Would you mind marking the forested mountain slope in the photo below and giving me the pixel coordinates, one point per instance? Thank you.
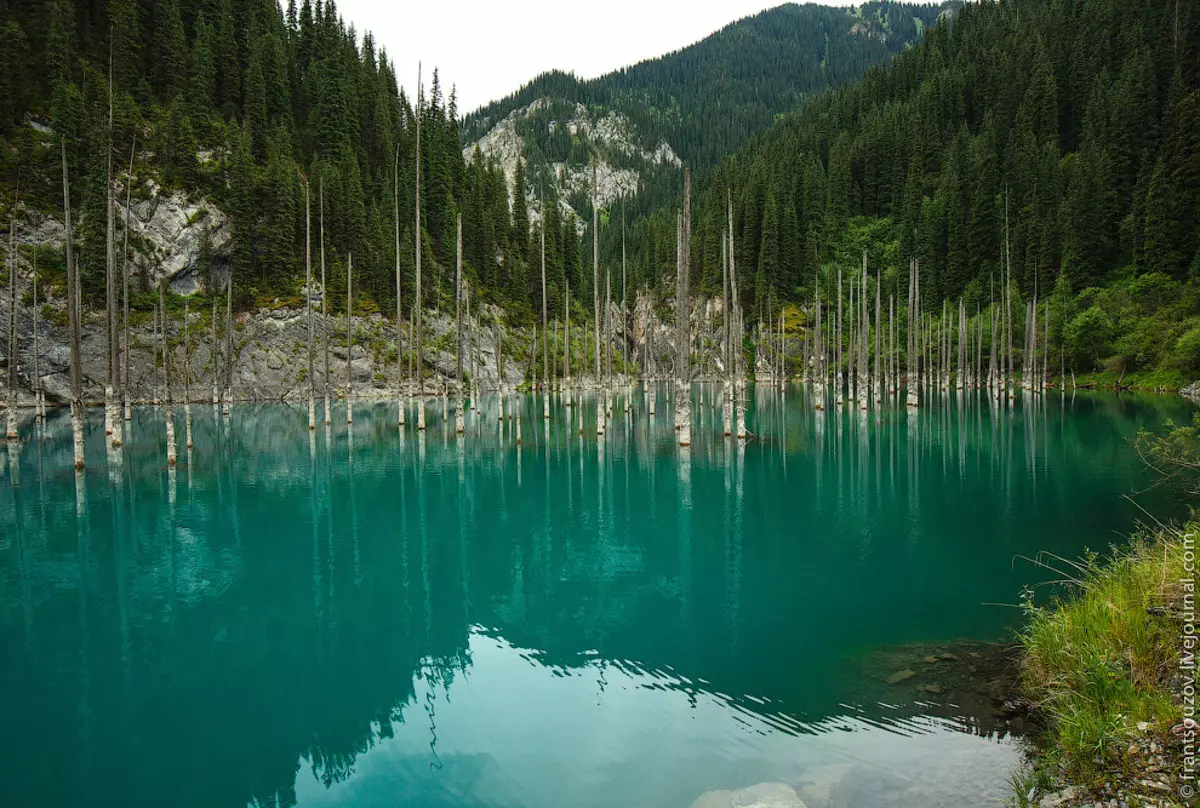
(707, 98)
(1068, 131)
(634, 128)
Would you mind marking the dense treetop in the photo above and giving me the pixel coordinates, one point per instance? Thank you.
(1078, 123)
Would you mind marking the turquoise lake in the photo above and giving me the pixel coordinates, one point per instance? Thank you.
(359, 617)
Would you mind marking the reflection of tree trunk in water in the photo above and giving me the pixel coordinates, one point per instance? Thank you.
(353, 513)
(466, 512)
(313, 498)
(685, 539)
(26, 586)
(423, 538)
(83, 552)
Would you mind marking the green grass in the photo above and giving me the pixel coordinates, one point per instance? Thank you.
(1102, 660)
(1148, 380)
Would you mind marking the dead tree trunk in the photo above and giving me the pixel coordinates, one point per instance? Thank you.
(125, 394)
(187, 386)
(349, 338)
(73, 315)
(112, 414)
(420, 370)
(10, 428)
(459, 421)
(325, 308)
(169, 409)
(399, 291)
(308, 279)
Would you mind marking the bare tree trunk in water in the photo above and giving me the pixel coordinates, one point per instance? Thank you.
(112, 414)
(420, 371)
(596, 295)
(73, 313)
(399, 295)
(312, 377)
(545, 334)
(187, 387)
(459, 421)
(125, 394)
(10, 427)
(325, 309)
(169, 410)
(727, 387)
(349, 338)
(567, 344)
(683, 404)
(739, 381)
(212, 357)
(39, 404)
(229, 344)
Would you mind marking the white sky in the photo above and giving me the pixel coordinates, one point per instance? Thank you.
(489, 48)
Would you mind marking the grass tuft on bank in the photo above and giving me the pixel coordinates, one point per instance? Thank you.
(1101, 665)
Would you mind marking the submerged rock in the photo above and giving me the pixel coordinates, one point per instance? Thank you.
(763, 795)
(901, 676)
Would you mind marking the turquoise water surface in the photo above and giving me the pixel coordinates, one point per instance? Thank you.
(367, 618)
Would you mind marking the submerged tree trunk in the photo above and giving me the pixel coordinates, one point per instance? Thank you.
(567, 344)
(73, 314)
(459, 421)
(399, 293)
(545, 334)
(596, 297)
(312, 378)
(125, 394)
(113, 420)
(727, 387)
(229, 344)
(349, 338)
(187, 386)
(10, 422)
(39, 404)
(214, 347)
(325, 309)
(169, 409)
(683, 313)
(420, 371)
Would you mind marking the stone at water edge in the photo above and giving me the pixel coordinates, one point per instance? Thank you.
(763, 795)
(1192, 391)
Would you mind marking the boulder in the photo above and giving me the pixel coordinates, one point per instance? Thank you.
(763, 795)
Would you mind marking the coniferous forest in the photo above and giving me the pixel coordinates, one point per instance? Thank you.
(1060, 139)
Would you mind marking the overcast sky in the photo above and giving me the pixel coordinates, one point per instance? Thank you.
(488, 49)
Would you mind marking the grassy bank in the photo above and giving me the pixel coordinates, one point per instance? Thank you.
(1102, 667)
(1150, 381)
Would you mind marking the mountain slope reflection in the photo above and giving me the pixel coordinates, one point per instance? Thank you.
(289, 617)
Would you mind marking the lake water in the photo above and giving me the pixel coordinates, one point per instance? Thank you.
(361, 618)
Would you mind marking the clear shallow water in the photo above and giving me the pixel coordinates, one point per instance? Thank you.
(339, 619)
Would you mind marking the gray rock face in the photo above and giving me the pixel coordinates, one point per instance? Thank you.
(1192, 391)
(763, 795)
